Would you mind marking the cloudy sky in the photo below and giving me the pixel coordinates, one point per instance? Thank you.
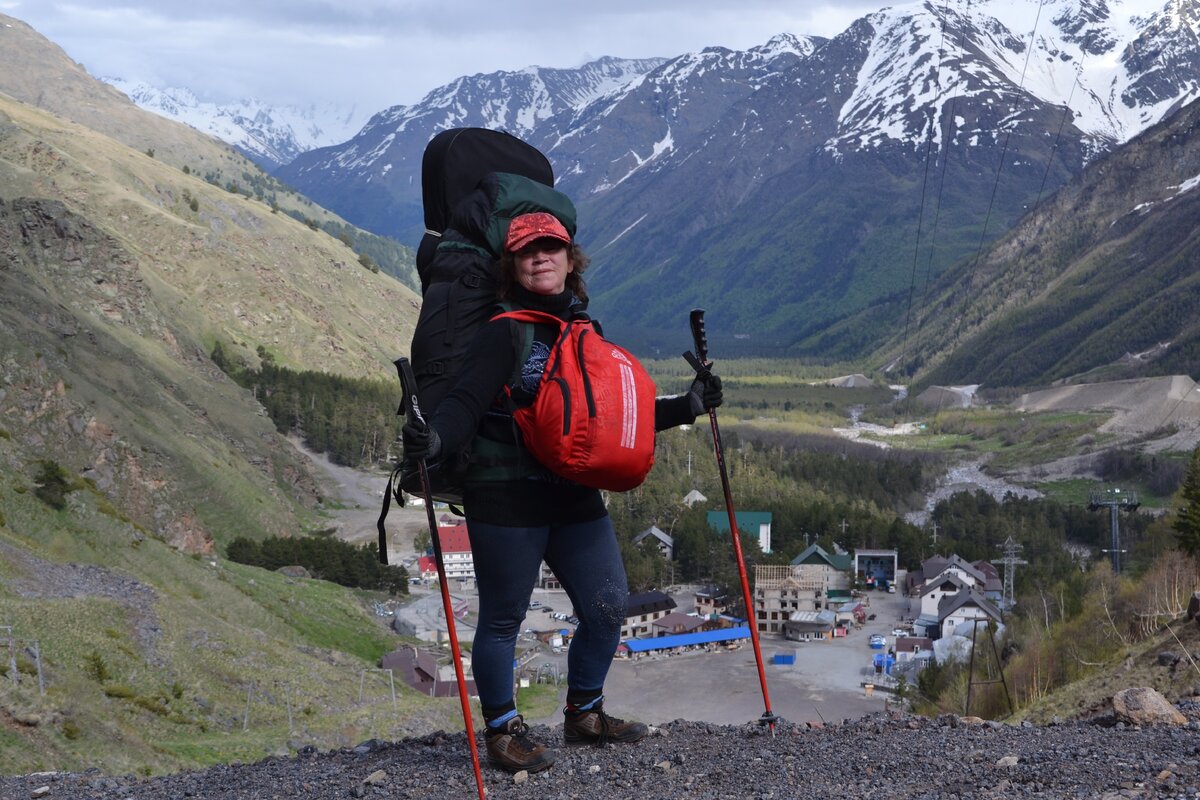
(377, 53)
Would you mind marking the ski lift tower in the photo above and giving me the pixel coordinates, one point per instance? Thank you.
(1115, 500)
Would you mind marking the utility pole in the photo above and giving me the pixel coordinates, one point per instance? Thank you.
(1114, 500)
(12, 655)
(1010, 561)
(933, 536)
(843, 526)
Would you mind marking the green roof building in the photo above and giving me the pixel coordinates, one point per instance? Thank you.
(751, 523)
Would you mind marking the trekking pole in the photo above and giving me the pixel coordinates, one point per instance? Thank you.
(701, 364)
(408, 384)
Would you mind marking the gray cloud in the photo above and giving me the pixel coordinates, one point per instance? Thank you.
(376, 53)
(383, 52)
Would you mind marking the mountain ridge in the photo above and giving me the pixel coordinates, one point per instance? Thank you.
(813, 157)
(269, 135)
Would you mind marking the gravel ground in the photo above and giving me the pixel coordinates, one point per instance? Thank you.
(894, 756)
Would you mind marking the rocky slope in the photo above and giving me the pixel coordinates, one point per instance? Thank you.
(884, 755)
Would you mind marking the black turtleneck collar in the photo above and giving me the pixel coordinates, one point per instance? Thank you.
(562, 305)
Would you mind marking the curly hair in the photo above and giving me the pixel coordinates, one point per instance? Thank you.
(579, 260)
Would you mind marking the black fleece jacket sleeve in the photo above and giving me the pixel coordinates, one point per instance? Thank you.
(671, 412)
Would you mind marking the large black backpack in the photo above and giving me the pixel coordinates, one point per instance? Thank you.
(473, 182)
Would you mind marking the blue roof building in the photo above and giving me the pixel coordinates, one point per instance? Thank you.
(686, 640)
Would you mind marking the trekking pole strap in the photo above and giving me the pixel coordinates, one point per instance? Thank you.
(408, 383)
(387, 504)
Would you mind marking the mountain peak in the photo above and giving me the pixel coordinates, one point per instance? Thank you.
(784, 44)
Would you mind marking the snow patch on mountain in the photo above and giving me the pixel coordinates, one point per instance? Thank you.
(1116, 64)
(270, 135)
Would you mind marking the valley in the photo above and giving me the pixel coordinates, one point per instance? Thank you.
(175, 324)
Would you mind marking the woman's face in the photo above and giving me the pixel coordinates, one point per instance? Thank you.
(543, 265)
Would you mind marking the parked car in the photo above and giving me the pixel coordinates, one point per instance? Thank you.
(574, 620)
(877, 641)
(535, 604)
(547, 610)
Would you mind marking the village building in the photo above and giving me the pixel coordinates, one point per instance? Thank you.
(642, 611)
(968, 607)
(727, 638)
(425, 672)
(876, 567)
(933, 592)
(850, 614)
(457, 559)
(666, 545)
(676, 622)
(691, 498)
(810, 626)
(913, 648)
(830, 570)
(953, 591)
(779, 593)
(993, 586)
(711, 601)
(754, 524)
(974, 574)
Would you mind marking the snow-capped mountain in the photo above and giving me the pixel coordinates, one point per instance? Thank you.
(669, 108)
(811, 165)
(1118, 72)
(376, 175)
(269, 135)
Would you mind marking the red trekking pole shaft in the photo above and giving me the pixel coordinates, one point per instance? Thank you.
(409, 384)
(700, 362)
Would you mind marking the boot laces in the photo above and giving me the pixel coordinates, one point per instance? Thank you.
(607, 724)
(520, 737)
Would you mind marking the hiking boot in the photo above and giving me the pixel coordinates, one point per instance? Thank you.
(510, 748)
(595, 727)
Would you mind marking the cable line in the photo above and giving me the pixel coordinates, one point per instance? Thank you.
(950, 134)
(1000, 167)
(933, 124)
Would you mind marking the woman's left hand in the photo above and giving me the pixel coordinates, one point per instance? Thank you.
(705, 393)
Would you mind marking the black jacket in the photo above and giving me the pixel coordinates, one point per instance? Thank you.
(472, 408)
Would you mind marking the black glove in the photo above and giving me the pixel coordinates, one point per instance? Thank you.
(420, 441)
(705, 393)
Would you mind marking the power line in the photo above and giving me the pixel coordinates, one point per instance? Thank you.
(1000, 167)
(951, 118)
(933, 125)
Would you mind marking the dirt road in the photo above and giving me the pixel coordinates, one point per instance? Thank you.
(354, 498)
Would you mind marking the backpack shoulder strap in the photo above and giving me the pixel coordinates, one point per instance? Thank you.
(529, 315)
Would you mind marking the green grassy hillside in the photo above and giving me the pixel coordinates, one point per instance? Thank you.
(153, 660)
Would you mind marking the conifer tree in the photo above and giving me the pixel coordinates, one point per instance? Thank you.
(1187, 524)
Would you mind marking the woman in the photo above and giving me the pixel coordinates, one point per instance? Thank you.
(519, 514)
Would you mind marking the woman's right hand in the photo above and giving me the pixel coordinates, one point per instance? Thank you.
(420, 441)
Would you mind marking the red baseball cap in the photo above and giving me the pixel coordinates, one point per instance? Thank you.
(527, 228)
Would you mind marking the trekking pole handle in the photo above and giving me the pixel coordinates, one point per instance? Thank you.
(408, 385)
(699, 337)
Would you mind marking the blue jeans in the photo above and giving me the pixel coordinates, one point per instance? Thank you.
(586, 560)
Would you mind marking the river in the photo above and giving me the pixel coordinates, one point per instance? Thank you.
(966, 476)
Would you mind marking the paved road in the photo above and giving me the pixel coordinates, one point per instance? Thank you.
(724, 688)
